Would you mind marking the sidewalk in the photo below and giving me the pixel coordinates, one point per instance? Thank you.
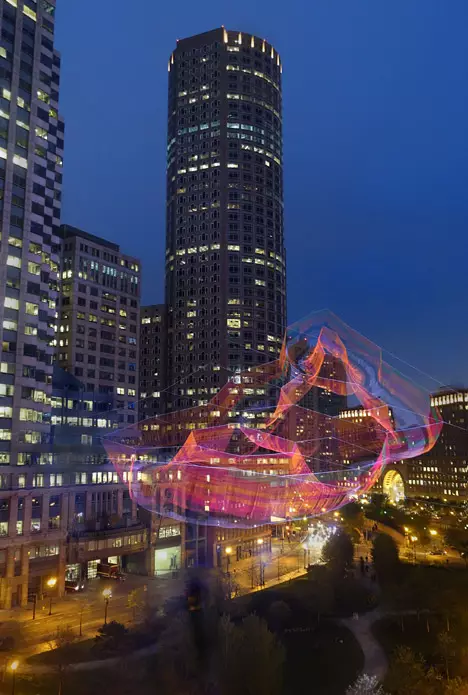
(375, 660)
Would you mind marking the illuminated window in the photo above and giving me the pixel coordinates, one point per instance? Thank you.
(11, 303)
(41, 133)
(14, 261)
(9, 325)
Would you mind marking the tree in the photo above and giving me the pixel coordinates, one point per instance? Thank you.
(177, 660)
(353, 519)
(456, 686)
(338, 553)
(249, 658)
(62, 646)
(134, 602)
(365, 685)
(408, 674)
(446, 645)
(385, 557)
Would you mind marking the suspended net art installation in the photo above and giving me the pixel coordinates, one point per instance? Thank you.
(261, 451)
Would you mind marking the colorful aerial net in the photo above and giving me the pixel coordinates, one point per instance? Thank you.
(299, 436)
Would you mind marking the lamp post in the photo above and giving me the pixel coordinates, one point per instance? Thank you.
(107, 594)
(13, 668)
(51, 583)
(262, 569)
(228, 558)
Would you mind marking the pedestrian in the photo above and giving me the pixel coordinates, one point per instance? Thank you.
(361, 562)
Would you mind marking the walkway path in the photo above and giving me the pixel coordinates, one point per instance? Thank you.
(375, 660)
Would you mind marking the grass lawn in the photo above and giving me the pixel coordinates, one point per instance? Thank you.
(325, 660)
(79, 651)
(321, 655)
(86, 651)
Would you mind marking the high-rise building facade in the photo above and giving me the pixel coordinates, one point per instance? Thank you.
(31, 152)
(152, 360)
(225, 257)
(98, 323)
(31, 160)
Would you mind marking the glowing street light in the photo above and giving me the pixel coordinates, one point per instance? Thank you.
(107, 594)
(14, 665)
(228, 557)
(262, 568)
(51, 583)
(433, 532)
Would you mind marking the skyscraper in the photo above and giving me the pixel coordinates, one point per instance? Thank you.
(225, 257)
(31, 151)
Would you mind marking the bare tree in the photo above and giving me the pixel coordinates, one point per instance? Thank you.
(365, 685)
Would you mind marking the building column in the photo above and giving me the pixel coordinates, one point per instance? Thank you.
(62, 558)
(134, 511)
(45, 511)
(9, 574)
(120, 503)
(12, 515)
(88, 507)
(183, 548)
(71, 509)
(24, 576)
(27, 514)
(64, 511)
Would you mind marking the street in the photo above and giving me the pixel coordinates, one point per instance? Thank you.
(86, 608)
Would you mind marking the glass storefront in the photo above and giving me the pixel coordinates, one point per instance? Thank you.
(167, 560)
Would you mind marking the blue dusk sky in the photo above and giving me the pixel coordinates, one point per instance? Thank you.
(375, 152)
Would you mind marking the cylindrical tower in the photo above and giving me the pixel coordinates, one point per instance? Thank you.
(225, 257)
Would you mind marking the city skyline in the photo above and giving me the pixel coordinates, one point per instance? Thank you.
(383, 197)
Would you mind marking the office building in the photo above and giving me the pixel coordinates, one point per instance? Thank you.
(441, 473)
(31, 160)
(98, 322)
(59, 521)
(152, 360)
(31, 152)
(225, 256)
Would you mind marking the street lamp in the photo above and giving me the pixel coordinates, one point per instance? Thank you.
(13, 668)
(433, 532)
(51, 583)
(107, 594)
(262, 569)
(228, 557)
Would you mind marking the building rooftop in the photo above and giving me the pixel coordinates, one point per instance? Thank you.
(66, 230)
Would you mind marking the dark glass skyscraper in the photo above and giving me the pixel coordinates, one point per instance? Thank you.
(225, 257)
